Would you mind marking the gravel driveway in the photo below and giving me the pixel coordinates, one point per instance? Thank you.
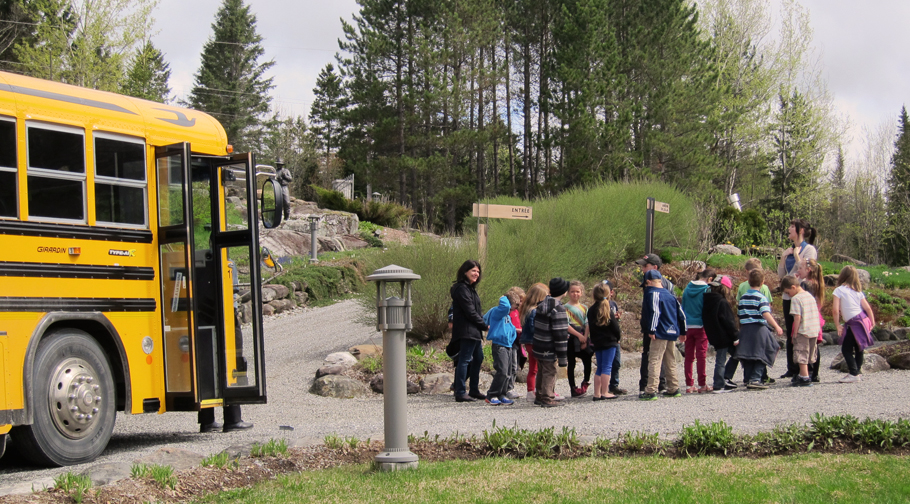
(296, 344)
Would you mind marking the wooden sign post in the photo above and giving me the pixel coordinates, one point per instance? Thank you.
(652, 205)
(485, 211)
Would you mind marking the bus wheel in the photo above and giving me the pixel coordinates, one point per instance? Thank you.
(73, 401)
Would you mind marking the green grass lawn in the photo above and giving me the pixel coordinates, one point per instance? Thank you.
(803, 479)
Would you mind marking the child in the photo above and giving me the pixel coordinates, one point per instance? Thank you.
(617, 360)
(517, 350)
(812, 280)
(663, 320)
(753, 264)
(578, 343)
(805, 328)
(696, 341)
(526, 313)
(502, 333)
(650, 262)
(720, 327)
(551, 337)
(850, 302)
(604, 332)
(757, 347)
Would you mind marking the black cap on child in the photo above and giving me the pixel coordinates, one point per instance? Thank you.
(558, 287)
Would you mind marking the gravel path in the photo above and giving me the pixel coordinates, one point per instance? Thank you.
(296, 344)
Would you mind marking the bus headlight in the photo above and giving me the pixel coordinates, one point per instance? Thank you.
(148, 345)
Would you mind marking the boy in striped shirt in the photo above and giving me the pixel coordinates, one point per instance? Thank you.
(757, 347)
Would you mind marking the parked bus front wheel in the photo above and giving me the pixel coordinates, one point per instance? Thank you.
(73, 401)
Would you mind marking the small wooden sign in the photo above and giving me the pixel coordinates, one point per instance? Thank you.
(662, 207)
(501, 211)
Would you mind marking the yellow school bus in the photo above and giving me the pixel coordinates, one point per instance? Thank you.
(128, 244)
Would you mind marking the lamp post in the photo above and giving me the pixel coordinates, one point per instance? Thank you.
(393, 319)
(314, 221)
(734, 200)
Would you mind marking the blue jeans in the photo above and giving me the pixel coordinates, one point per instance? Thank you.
(720, 363)
(605, 360)
(752, 370)
(469, 359)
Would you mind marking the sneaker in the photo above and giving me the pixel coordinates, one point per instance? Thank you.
(815, 379)
(787, 375)
(532, 396)
(802, 382)
(493, 401)
(728, 384)
(675, 393)
(618, 391)
(849, 379)
(859, 377)
(644, 396)
(551, 404)
(505, 400)
(756, 385)
(464, 398)
(478, 395)
(578, 392)
(584, 386)
(721, 391)
(768, 380)
(662, 390)
(557, 397)
(512, 394)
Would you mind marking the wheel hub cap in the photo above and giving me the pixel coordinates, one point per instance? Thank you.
(75, 397)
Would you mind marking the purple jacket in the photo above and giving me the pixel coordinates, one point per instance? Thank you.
(861, 325)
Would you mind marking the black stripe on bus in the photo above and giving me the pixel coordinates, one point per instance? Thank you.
(48, 304)
(74, 232)
(45, 270)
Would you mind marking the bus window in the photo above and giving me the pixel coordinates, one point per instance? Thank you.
(56, 173)
(8, 201)
(170, 191)
(120, 187)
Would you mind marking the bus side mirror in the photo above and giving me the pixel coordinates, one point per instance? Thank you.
(271, 204)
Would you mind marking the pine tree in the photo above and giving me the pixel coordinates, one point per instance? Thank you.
(230, 82)
(899, 195)
(797, 150)
(148, 75)
(327, 109)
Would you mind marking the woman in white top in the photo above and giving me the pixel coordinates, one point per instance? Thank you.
(850, 305)
(803, 237)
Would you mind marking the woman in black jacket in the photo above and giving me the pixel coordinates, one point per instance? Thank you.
(721, 327)
(467, 328)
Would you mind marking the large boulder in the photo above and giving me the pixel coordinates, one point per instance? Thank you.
(438, 383)
(723, 248)
(377, 385)
(864, 277)
(341, 358)
(330, 369)
(872, 363)
(883, 334)
(339, 387)
(900, 361)
(352, 242)
(268, 294)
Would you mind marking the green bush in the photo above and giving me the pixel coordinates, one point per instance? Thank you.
(323, 283)
(743, 229)
(712, 438)
(368, 237)
(388, 214)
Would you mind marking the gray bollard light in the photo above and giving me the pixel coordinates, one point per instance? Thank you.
(314, 221)
(393, 319)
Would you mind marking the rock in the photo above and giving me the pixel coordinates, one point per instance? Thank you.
(342, 358)
(281, 291)
(331, 369)
(282, 305)
(108, 473)
(302, 298)
(905, 268)
(882, 334)
(352, 242)
(246, 295)
(377, 383)
(830, 280)
(246, 313)
(830, 337)
(692, 265)
(298, 286)
(901, 333)
(522, 375)
(438, 383)
(178, 458)
(871, 363)
(727, 249)
(900, 361)
(267, 310)
(864, 277)
(339, 387)
(268, 294)
(368, 350)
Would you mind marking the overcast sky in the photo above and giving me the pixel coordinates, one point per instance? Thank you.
(864, 47)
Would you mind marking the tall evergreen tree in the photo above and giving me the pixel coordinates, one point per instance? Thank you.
(327, 109)
(230, 83)
(148, 75)
(899, 195)
(797, 150)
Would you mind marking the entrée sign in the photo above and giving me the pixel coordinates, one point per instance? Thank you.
(501, 211)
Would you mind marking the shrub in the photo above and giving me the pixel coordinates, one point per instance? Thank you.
(272, 448)
(387, 214)
(698, 439)
(371, 239)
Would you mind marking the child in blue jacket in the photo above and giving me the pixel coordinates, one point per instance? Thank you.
(663, 320)
(502, 333)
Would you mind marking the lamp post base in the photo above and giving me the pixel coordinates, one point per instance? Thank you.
(395, 461)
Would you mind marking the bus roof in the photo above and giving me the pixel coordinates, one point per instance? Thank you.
(34, 99)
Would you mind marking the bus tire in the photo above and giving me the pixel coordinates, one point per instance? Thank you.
(73, 400)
